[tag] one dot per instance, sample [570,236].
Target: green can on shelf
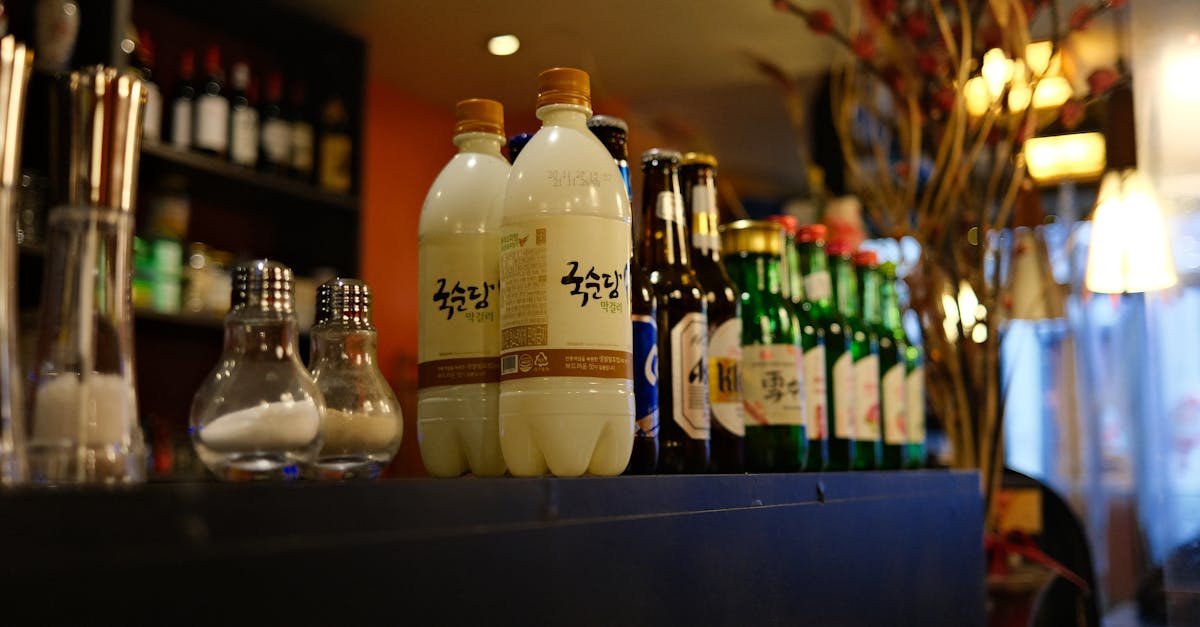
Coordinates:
[772,384]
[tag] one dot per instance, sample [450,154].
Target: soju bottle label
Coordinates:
[843,397]
[866,398]
[458,311]
[645,374]
[818,286]
[894,405]
[914,397]
[689,376]
[771,385]
[565,311]
[724,375]
[814,385]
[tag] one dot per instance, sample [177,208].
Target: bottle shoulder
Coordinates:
[565,170]
[466,197]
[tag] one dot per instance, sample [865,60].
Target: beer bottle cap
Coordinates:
[564,85]
[810,233]
[661,154]
[752,236]
[479,115]
[607,121]
[699,158]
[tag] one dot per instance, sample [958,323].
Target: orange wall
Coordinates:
[406,143]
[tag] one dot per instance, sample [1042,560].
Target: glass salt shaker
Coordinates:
[363,422]
[258,415]
[84,418]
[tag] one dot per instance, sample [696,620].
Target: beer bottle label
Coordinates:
[689,375]
[565,311]
[459,330]
[866,398]
[669,207]
[843,397]
[914,400]
[771,385]
[704,211]
[724,376]
[894,405]
[814,386]
[645,374]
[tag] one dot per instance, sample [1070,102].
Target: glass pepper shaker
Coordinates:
[84,418]
[258,414]
[363,422]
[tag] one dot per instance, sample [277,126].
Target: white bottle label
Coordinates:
[277,141]
[894,405]
[181,123]
[914,401]
[152,120]
[818,286]
[843,397]
[724,376]
[302,146]
[565,311]
[212,122]
[866,398]
[704,209]
[243,148]
[771,384]
[670,207]
[458,310]
[689,376]
[814,386]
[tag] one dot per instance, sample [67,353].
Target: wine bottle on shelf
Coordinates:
[336,147]
[211,132]
[243,118]
[183,102]
[144,58]
[276,140]
[302,134]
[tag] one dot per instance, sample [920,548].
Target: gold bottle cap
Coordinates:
[564,85]
[699,158]
[752,236]
[479,115]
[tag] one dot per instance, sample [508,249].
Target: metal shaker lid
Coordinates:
[263,284]
[105,134]
[344,300]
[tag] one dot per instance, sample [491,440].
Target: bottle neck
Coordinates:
[845,286]
[815,268]
[342,345]
[664,234]
[701,190]
[795,285]
[481,143]
[890,303]
[574,116]
[267,334]
[868,295]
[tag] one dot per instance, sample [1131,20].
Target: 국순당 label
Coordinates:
[894,405]
[771,385]
[645,374]
[866,398]
[843,397]
[459,333]
[724,376]
[814,385]
[565,311]
[914,401]
[689,375]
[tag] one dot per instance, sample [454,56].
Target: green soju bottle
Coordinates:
[772,386]
[816,312]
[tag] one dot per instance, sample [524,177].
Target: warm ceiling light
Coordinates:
[997,71]
[504,45]
[1051,92]
[1065,157]
[1129,250]
[976,94]
[1041,59]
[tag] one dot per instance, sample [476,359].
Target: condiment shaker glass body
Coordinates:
[258,415]
[363,422]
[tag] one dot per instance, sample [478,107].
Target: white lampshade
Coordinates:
[1129,250]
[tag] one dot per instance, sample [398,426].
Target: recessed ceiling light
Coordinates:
[503,45]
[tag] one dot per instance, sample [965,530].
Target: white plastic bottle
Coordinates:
[458,348]
[566,389]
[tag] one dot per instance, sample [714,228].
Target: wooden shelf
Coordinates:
[191,162]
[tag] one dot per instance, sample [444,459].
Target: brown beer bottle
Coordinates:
[683,404]
[697,176]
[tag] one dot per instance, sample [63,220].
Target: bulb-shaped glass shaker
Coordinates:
[258,415]
[363,422]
